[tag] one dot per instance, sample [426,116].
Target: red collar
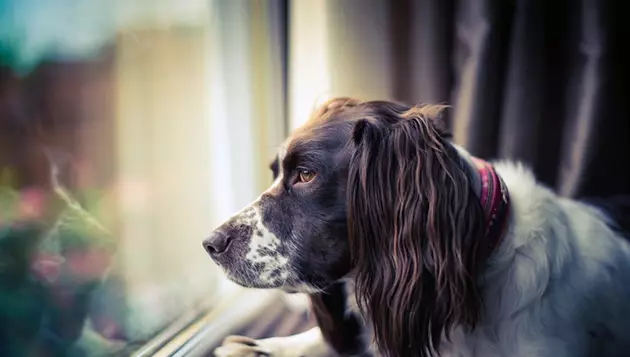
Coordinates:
[495,200]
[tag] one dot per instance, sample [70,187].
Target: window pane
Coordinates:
[112,169]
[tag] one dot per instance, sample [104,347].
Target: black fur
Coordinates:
[342,328]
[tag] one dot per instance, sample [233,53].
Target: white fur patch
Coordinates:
[263,251]
[261,246]
[558,285]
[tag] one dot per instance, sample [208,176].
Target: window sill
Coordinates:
[196,333]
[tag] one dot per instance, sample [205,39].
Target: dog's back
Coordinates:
[560,284]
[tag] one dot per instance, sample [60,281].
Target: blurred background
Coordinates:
[130,128]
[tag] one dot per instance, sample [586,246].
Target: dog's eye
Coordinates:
[306,176]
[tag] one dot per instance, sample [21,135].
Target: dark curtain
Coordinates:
[544,82]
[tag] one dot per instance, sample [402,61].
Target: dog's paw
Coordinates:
[240,346]
[306,344]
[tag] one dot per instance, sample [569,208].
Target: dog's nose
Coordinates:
[217,243]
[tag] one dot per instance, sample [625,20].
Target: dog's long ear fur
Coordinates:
[415,228]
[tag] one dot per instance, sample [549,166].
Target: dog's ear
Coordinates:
[439,118]
[415,228]
[368,130]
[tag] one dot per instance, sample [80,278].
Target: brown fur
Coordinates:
[414,231]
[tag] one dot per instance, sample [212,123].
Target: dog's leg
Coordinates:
[340,333]
[340,325]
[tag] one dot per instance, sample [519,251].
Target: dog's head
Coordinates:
[373,191]
[294,235]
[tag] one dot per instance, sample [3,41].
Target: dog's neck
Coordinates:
[492,193]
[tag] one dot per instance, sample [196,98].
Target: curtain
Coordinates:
[541,82]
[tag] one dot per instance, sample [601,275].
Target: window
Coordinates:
[128,130]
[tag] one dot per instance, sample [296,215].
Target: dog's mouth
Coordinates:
[250,279]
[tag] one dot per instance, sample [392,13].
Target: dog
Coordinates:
[407,245]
